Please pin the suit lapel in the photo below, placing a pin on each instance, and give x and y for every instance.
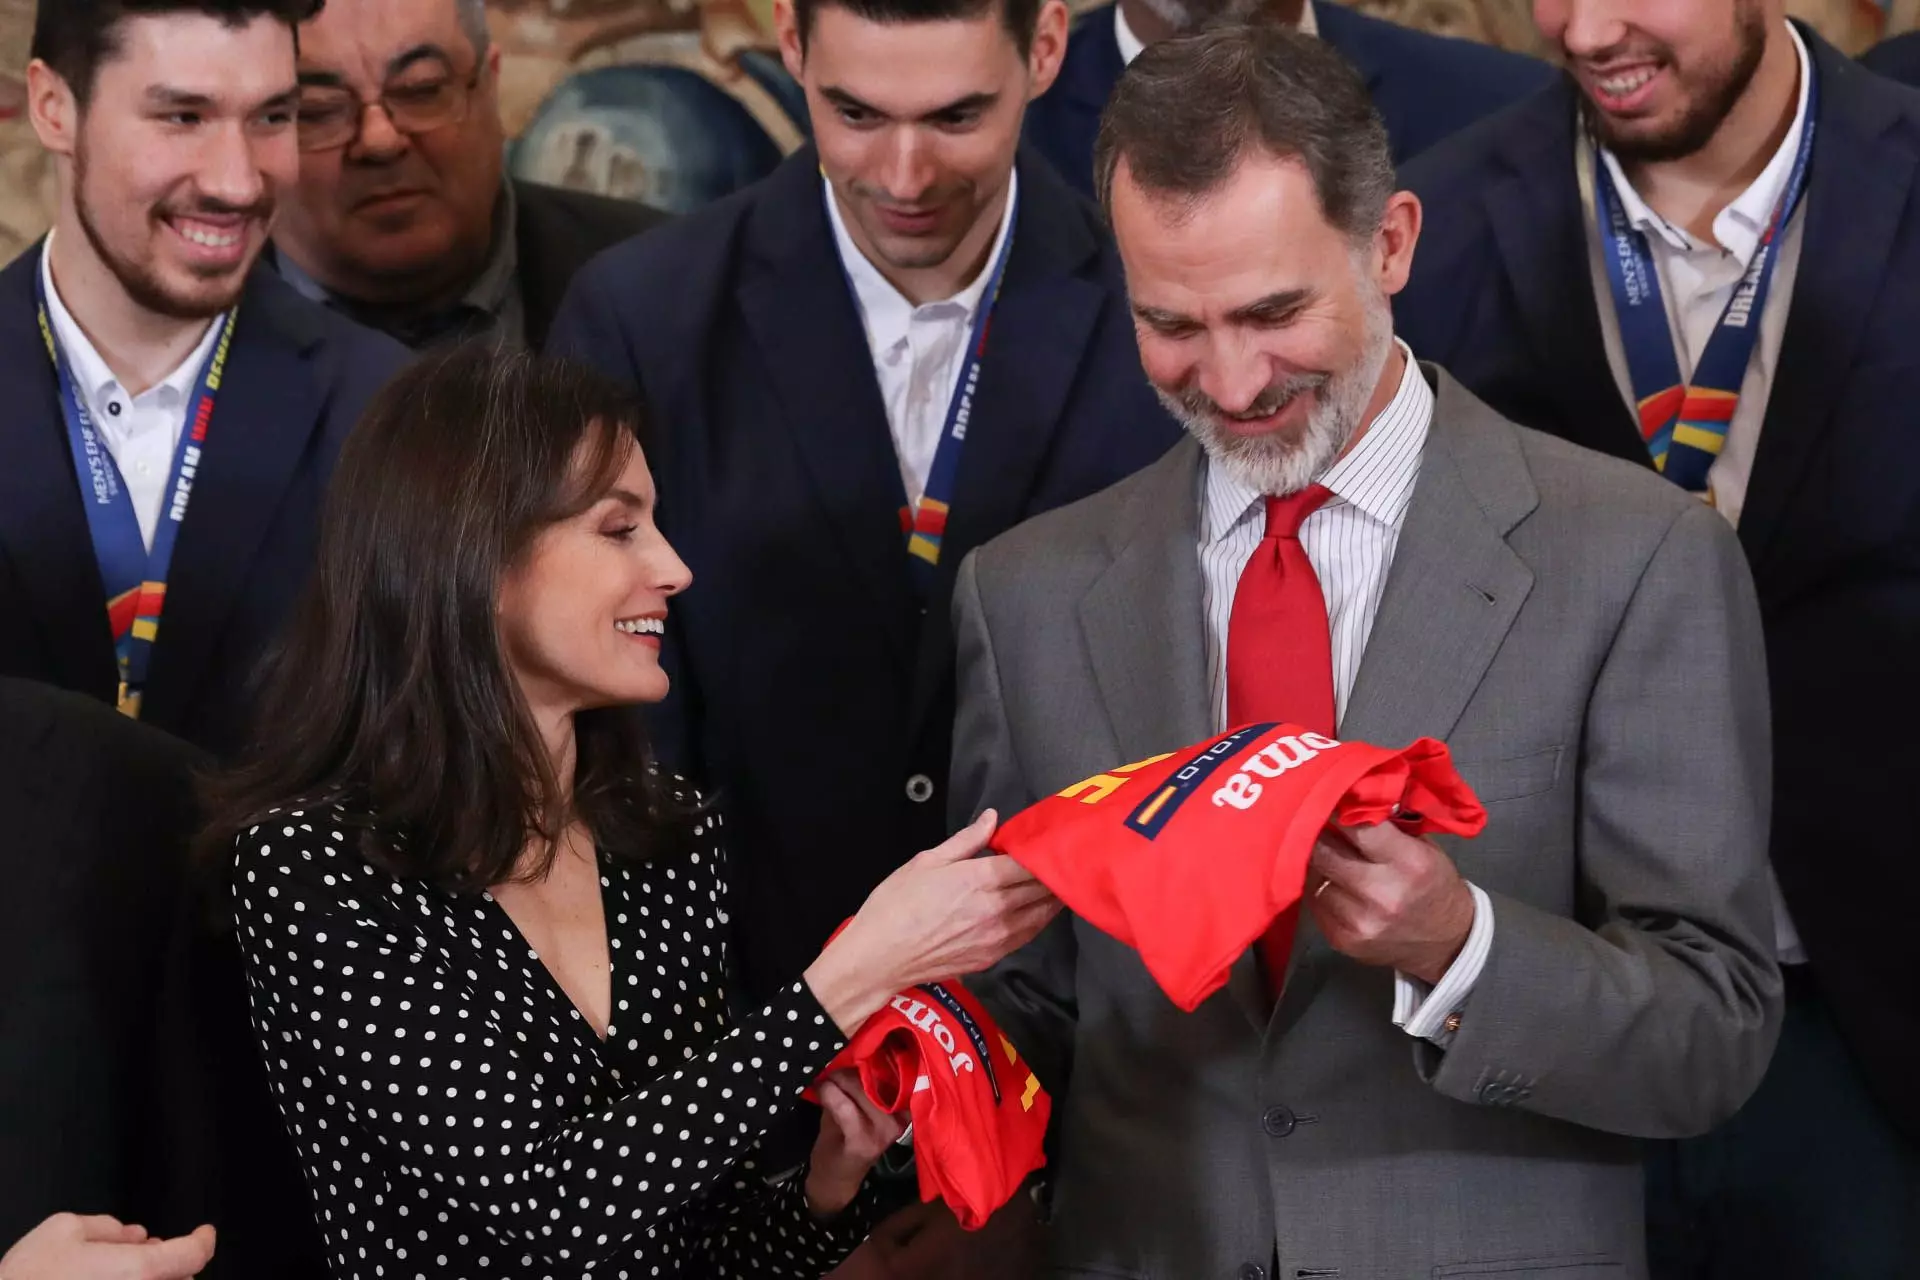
(1857, 194)
(263, 420)
(1143, 623)
(43, 526)
(1141, 619)
(1540, 231)
(1454, 587)
(807, 327)
(1036, 343)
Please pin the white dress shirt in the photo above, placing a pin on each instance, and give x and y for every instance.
(1131, 44)
(140, 432)
(1350, 542)
(917, 351)
(1696, 281)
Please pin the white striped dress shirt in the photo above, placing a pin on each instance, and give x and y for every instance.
(1350, 542)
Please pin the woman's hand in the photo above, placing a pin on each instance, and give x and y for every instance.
(943, 915)
(853, 1134)
(69, 1247)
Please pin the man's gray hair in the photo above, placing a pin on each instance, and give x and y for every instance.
(1190, 109)
(473, 21)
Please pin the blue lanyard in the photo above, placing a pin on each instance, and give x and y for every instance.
(1684, 420)
(926, 525)
(930, 517)
(134, 576)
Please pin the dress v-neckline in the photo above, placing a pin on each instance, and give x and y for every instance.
(604, 877)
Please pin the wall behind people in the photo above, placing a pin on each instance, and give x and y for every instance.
(586, 85)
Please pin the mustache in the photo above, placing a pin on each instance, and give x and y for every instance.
(1277, 396)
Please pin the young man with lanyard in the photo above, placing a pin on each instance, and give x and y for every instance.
(910, 337)
(175, 412)
(1695, 255)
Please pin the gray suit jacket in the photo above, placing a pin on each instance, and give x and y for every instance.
(1584, 637)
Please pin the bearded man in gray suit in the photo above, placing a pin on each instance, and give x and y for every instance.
(1471, 1035)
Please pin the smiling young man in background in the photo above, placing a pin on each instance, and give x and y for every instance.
(173, 411)
(1698, 254)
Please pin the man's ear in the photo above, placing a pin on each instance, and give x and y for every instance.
(786, 27)
(1399, 233)
(1049, 48)
(53, 108)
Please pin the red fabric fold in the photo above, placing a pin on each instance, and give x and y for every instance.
(979, 1115)
(1189, 857)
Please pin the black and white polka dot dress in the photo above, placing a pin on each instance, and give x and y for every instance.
(457, 1117)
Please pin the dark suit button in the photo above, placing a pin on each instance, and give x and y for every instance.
(1278, 1122)
(1253, 1271)
(919, 788)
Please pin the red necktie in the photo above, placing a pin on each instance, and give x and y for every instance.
(1280, 657)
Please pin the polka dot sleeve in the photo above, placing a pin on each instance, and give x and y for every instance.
(425, 1077)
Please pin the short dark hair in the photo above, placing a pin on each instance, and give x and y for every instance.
(1189, 109)
(390, 694)
(1021, 18)
(75, 37)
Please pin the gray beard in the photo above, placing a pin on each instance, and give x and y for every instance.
(1277, 465)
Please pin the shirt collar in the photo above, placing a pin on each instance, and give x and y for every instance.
(1131, 45)
(886, 311)
(1377, 475)
(89, 369)
(1739, 226)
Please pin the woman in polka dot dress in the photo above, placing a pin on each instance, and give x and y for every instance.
(486, 942)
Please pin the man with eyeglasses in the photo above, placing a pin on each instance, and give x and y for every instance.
(403, 218)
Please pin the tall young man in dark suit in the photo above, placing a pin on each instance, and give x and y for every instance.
(1695, 255)
(817, 354)
(1426, 87)
(403, 218)
(174, 413)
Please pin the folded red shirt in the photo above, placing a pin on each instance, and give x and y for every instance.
(1189, 857)
(979, 1116)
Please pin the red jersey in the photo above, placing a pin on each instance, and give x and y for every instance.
(979, 1116)
(1189, 857)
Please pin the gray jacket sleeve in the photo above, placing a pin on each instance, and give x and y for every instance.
(1655, 1012)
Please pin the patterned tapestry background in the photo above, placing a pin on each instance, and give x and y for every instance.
(679, 101)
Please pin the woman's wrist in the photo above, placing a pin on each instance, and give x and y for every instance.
(844, 987)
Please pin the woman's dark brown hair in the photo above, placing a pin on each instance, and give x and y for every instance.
(389, 694)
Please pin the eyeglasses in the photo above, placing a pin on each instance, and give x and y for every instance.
(331, 115)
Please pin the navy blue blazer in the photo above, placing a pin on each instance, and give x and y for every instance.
(813, 687)
(297, 377)
(1898, 57)
(1424, 86)
(1502, 297)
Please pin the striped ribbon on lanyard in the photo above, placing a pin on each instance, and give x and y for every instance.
(1684, 420)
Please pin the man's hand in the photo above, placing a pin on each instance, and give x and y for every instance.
(1386, 898)
(69, 1247)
